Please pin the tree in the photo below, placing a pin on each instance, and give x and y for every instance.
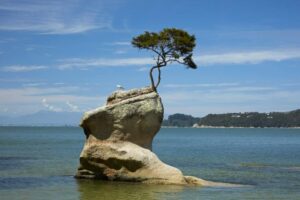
(169, 45)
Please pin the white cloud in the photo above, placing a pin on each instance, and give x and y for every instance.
(291, 84)
(54, 17)
(32, 84)
(23, 68)
(73, 107)
(253, 57)
(59, 83)
(120, 43)
(143, 69)
(14, 80)
(28, 100)
(120, 52)
(250, 89)
(216, 98)
(27, 94)
(102, 62)
(200, 85)
(200, 103)
(50, 107)
(51, 90)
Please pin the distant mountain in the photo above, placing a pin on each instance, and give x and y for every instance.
(247, 119)
(43, 118)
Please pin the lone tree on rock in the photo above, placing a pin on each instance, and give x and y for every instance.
(169, 45)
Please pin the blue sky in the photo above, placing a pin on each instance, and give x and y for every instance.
(69, 55)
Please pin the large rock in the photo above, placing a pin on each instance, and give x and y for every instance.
(125, 161)
(134, 116)
(119, 141)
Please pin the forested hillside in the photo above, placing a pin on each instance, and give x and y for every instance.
(253, 119)
(247, 119)
(181, 120)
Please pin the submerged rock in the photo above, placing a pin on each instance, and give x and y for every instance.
(119, 141)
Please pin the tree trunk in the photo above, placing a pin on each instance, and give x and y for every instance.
(153, 85)
(159, 77)
(151, 78)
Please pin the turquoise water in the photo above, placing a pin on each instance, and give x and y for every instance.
(39, 163)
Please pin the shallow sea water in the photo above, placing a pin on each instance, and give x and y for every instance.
(39, 163)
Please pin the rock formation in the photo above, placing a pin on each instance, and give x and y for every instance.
(119, 141)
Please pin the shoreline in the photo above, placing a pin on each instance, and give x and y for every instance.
(229, 127)
(196, 127)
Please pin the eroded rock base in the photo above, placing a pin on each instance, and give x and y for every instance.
(125, 161)
(119, 142)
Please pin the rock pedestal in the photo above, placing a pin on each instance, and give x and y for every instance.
(119, 141)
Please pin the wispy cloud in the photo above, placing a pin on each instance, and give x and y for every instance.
(50, 107)
(59, 83)
(200, 85)
(120, 52)
(240, 99)
(103, 62)
(23, 68)
(15, 80)
(31, 99)
(73, 107)
(120, 43)
(35, 91)
(250, 89)
(53, 17)
(253, 57)
(143, 69)
(32, 84)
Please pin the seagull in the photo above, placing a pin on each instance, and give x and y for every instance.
(120, 87)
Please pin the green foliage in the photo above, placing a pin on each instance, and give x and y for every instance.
(169, 45)
(181, 120)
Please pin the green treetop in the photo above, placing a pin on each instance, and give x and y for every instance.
(169, 45)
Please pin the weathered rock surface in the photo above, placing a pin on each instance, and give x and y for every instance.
(119, 140)
(125, 161)
(133, 116)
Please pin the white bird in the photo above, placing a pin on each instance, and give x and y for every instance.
(120, 87)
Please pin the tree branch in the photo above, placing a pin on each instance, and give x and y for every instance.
(155, 51)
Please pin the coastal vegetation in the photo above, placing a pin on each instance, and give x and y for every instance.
(247, 119)
(181, 120)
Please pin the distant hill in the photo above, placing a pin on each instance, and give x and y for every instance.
(44, 118)
(181, 120)
(253, 119)
(248, 119)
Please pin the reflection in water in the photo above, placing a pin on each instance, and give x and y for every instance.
(95, 189)
(9, 183)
